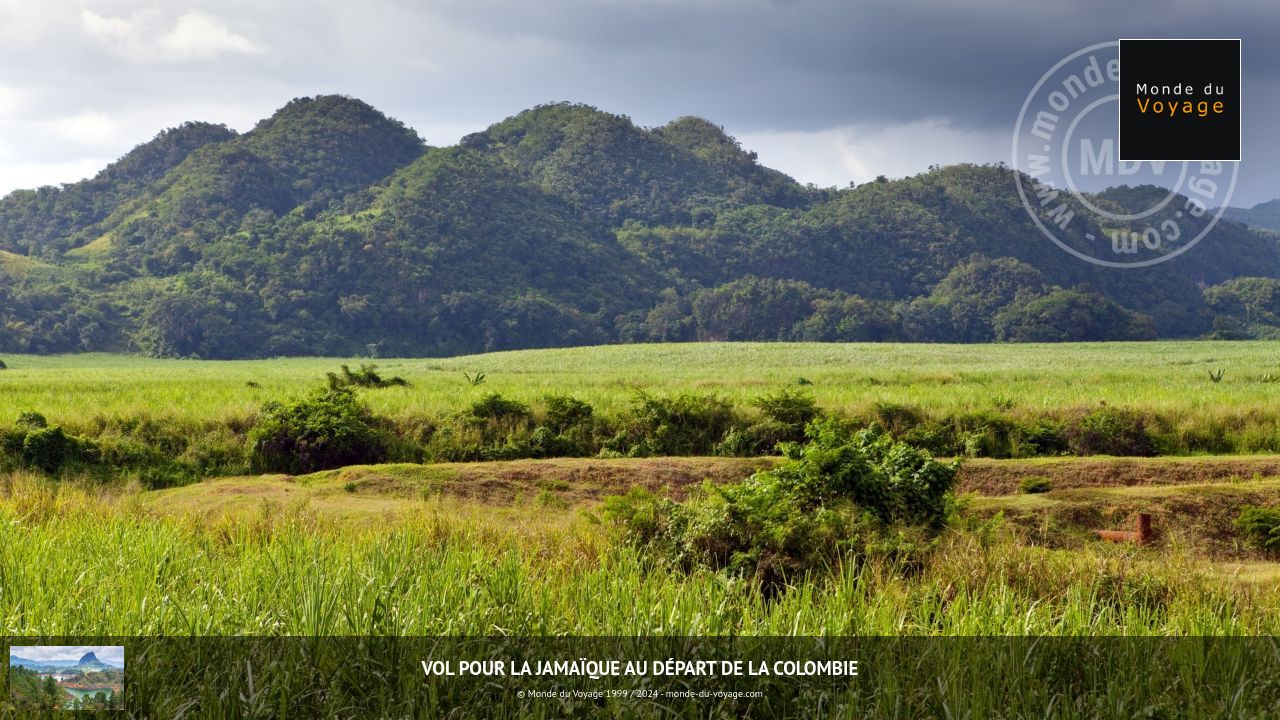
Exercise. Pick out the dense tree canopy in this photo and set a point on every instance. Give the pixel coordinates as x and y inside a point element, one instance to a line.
<point>332,229</point>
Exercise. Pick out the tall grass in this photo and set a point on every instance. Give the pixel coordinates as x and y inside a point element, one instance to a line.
<point>1165,376</point>
<point>199,410</point>
<point>74,561</point>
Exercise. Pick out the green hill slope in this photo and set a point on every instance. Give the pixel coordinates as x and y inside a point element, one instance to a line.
<point>331,229</point>
<point>1263,215</point>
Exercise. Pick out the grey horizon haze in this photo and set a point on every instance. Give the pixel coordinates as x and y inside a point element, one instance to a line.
<point>828,92</point>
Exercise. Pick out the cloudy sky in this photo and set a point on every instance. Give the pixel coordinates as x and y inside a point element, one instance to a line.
<point>829,91</point>
<point>112,655</point>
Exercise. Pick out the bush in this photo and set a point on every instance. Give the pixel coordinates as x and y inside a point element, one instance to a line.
<point>684,424</point>
<point>3,366</point>
<point>1109,431</point>
<point>786,413</point>
<point>838,493</point>
<point>1043,436</point>
<point>328,429</point>
<point>789,407</point>
<point>761,438</point>
<point>1260,527</point>
<point>495,407</point>
<point>34,443</point>
<point>366,377</point>
<point>565,413</point>
<point>50,448</point>
<point>1035,484</point>
<point>32,420</point>
<point>898,417</point>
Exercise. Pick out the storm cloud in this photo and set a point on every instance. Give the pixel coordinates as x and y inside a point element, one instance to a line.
<point>830,92</point>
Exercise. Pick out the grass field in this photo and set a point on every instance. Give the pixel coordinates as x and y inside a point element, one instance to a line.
<point>272,556</point>
<point>1171,377</point>
<point>520,548</point>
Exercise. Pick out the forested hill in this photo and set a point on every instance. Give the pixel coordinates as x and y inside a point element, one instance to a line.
<point>1264,215</point>
<point>331,229</point>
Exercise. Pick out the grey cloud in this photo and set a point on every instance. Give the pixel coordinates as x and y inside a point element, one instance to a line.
<point>753,65</point>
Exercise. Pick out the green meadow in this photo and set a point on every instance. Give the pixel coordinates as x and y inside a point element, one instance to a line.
<point>1169,377</point>
<point>521,546</point>
<point>165,564</point>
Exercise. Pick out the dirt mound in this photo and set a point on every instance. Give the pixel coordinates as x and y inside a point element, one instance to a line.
<point>1001,477</point>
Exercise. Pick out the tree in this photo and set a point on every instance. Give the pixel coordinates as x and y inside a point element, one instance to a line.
<point>1071,315</point>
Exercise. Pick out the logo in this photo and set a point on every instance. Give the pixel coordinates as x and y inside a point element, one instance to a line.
<point>1101,209</point>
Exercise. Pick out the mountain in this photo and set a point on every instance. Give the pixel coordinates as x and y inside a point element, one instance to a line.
<point>15,661</point>
<point>332,229</point>
<point>89,662</point>
<point>1263,215</point>
<point>33,219</point>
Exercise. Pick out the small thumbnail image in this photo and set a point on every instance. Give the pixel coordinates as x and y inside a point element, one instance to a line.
<point>71,677</point>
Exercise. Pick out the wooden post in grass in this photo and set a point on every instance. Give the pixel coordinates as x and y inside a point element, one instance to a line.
<point>1141,536</point>
<point>1144,528</point>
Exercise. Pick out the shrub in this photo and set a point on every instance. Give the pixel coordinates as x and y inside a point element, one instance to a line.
<point>11,446</point>
<point>549,499</point>
<point>1035,484</point>
<point>1260,527</point>
<point>495,407</point>
<point>565,413</point>
<point>32,420</point>
<point>788,406</point>
<point>49,448</point>
<point>837,493</point>
<point>1043,436</point>
<point>3,366</point>
<point>785,415</point>
<point>684,424</point>
<point>898,417</point>
<point>1109,431</point>
<point>984,434</point>
<point>760,438</point>
<point>366,376</point>
<point>328,429</point>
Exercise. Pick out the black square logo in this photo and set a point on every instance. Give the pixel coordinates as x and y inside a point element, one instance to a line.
<point>1179,100</point>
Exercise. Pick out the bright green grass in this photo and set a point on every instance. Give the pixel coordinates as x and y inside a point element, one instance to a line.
<point>73,562</point>
<point>1167,377</point>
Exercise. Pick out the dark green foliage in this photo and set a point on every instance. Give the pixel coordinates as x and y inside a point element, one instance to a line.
<point>1109,431</point>
<point>1071,315</point>
<point>784,416</point>
<point>32,220</point>
<point>31,420</point>
<point>565,413</point>
<point>324,430</point>
<point>788,406</point>
<point>1247,307</point>
<point>976,290</point>
<point>47,448</point>
<point>684,424</point>
<point>1035,484</point>
<point>495,407</point>
<point>753,309</point>
<point>29,692</point>
<point>33,443</point>
<point>840,492</point>
<point>366,377</point>
<point>330,229</point>
<point>3,366</point>
<point>1260,526</point>
<point>898,417</point>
